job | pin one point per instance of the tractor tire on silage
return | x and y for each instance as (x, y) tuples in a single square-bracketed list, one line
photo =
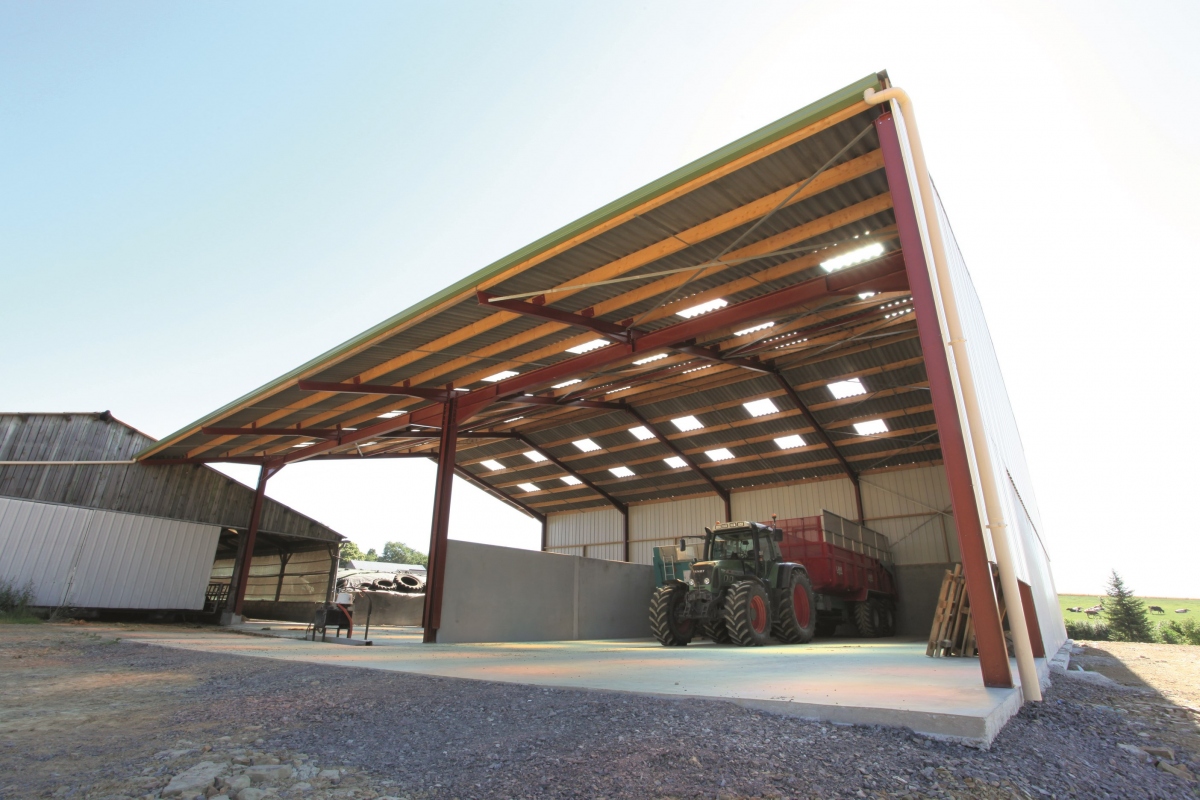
[(796, 622), (409, 583), (665, 622), (747, 614)]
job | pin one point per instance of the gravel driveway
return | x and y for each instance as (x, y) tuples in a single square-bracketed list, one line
[(83, 715)]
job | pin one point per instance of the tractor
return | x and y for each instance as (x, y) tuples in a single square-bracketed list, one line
[(741, 591)]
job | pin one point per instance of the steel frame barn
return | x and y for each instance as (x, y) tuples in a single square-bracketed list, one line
[(799, 256)]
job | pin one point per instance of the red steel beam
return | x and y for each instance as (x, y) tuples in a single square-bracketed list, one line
[(581, 320), (431, 617), (860, 278), (440, 395), (536, 400), (993, 654), (721, 491), (550, 457), (241, 568), (712, 354), (1031, 620)]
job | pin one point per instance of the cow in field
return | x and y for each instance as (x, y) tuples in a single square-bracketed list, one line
[(1094, 611), (1076, 609), (1181, 611), (1157, 610)]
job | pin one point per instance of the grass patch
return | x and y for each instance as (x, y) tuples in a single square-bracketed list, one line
[(14, 604), (13, 618)]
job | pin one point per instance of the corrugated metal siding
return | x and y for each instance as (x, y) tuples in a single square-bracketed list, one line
[(654, 524), (189, 492), (104, 559), (912, 508), (797, 500), (597, 534)]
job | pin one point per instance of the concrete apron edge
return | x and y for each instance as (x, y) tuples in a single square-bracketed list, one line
[(967, 729)]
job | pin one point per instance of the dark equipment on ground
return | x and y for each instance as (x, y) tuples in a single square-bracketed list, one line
[(791, 579)]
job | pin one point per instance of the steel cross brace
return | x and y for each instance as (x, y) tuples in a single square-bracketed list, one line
[(721, 491), (537, 308), (617, 504)]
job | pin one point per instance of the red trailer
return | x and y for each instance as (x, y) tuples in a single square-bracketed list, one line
[(847, 563)]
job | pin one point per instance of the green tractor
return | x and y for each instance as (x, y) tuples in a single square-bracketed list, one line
[(740, 591)]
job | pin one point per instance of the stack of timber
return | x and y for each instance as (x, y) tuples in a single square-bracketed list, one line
[(953, 631)]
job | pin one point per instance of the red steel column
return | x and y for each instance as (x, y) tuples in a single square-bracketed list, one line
[(432, 616), (241, 567), (989, 634)]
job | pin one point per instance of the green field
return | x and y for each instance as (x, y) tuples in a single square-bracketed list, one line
[(1169, 604)]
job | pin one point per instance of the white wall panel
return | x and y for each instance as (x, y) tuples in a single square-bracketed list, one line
[(912, 508), (596, 534), (654, 524), (797, 500), (105, 559)]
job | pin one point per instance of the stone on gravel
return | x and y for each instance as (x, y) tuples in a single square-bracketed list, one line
[(195, 779), (251, 794), (268, 773), (236, 784), (1160, 752), (1178, 770), (331, 775)]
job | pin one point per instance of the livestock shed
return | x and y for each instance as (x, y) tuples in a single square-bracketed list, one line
[(784, 326), (88, 527)]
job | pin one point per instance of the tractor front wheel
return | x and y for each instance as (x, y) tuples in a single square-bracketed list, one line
[(747, 614), (667, 622), (796, 622)]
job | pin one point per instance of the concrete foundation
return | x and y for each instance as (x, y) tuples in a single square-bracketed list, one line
[(500, 594)]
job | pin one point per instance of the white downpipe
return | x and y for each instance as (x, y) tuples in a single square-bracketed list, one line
[(1030, 687)]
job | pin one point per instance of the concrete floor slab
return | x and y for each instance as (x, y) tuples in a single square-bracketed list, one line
[(867, 682)]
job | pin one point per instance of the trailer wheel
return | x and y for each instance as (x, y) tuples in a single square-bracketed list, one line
[(796, 622), (716, 631), (666, 616), (747, 614), (874, 617)]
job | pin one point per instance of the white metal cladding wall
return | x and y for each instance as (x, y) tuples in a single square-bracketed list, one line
[(654, 524), (1004, 441), (595, 534), (797, 500), (105, 559), (912, 508), (38, 542)]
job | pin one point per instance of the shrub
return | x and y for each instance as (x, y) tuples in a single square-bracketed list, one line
[(14, 599), (1088, 631), (1178, 632)]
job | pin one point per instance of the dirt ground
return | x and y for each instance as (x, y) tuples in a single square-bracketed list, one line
[(83, 715)]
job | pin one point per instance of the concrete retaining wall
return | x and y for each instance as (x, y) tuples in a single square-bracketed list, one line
[(388, 608), (917, 586), (499, 594)]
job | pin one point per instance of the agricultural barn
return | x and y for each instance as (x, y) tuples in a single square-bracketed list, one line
[(90, 528), (785, 326)]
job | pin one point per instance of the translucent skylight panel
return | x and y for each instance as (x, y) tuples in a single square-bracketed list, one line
[(871, 426), (756, 328), (853, 257), (622, 472), (614, 391), (534, 456), (704, 308), (492, 464), (565, 384), (514, 419), (688, 423), (530, 487), (843, 389), (641, 433), (720, 454), (586, 347), (499, 376), (390, 415), (788, 442), (675, 462), (760, 408), (648, 359), (586, 445), (571, 480), (304, 444)]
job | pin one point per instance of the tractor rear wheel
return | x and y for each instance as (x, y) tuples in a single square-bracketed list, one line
[(796, 620), (667, 622), (747, 614), (716, 631)]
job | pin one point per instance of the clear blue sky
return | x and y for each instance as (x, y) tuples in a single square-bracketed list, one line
[(195, 198)]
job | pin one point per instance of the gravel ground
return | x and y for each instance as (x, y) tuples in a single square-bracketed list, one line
[(84, 716)]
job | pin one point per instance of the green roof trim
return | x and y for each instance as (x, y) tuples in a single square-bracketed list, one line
[(831, 104)]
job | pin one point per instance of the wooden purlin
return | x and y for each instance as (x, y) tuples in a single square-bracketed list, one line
[(809, 230)]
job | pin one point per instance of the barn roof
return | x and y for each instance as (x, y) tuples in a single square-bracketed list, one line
[(612, 361)]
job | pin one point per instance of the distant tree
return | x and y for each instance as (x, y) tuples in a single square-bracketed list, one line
[(350, 551), (1127, 617), (372, 555), (400, 553)]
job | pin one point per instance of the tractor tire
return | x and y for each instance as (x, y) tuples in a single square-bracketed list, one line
[(796, 615), (716, 631), (874, 617), (668, 626), (747, 614)]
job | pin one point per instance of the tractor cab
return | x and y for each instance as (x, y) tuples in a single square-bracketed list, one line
[(735, 551)]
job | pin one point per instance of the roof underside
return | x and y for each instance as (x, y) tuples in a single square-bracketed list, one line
[(752, 220)]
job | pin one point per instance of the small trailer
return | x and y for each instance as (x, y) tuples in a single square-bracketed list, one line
[(791, 579)]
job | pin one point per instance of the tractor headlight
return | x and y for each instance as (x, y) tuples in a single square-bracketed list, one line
[(692, 582), (706, 581)]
